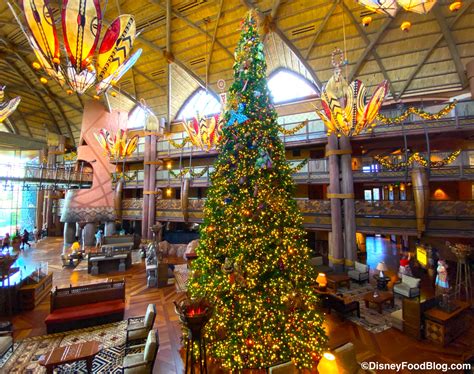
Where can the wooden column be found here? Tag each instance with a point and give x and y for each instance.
(421, 195)
(152, 184)
(336, 250)
(146, 187)
(347, 187)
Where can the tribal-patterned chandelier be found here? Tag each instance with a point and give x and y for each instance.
(83, 64)
(7, 107)
(390, 7)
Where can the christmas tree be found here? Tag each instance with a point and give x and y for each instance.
(252, 258)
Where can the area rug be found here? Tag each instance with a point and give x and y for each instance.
(109, 360)
(370, 319)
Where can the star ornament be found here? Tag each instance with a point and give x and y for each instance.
(237, 116)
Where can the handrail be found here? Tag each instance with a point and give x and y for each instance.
(43, 173)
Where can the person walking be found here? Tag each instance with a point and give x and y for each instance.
(6, 241)
(36, 234)
(24, 239)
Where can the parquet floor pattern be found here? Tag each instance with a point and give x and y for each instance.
(390, 346)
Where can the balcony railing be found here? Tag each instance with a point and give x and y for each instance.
(459, 118)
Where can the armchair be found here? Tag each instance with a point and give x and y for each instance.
(408, 287)
(69, 261)
(138, 363)
(318, 265)
(360, 273)
(338, 303)
(346, 360)
(6, 342)
(138, 328)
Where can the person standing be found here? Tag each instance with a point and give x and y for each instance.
(24, 239)
(98, 238)
(6, 241)
(36, 234)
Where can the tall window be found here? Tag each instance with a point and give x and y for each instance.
(286, 86)
(201, 102)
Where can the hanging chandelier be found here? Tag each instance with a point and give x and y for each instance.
(83, 64)
(390, 7)
(204, 133)
(118, 146)
(7, 107)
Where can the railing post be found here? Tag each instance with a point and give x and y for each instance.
(456, 117)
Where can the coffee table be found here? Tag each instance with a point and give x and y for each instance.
(382, 299)
(337, 280)
(70, 353)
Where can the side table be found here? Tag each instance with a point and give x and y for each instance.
(382, 282)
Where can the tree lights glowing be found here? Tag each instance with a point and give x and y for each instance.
(252, 259)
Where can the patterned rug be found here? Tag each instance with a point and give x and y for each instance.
(109, 360)
(370, 319)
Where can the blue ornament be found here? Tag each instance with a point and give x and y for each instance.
(227, 200)
(238, 116)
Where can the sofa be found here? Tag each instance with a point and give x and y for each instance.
(133, 240)
(408, 287)
(177, 250)
(87, 305)
(319, 267)
(360, 273)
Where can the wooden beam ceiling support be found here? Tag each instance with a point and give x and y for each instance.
(321, 28)
(275, 7)
(214, 34)
(428, 53)
(16, 141)
(370, 47)
(142, 74)
(367, 42)
(192, 24)
(448, 36)
(289, 44)
(10, 126)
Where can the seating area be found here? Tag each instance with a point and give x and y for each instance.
(86, 305)
(408, 286)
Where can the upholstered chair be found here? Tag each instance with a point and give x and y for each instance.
(409, 286)
(6, 342)
(346, 360)
(141, 363)
(139, 327)
(360, 273)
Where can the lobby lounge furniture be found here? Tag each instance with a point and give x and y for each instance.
(396, 318)
(413, 315)
(443, 327)
(134, 240)
(6, 342)
(360, 273)
(99, 263)
(408, 287)
(319, 267)
(380, 300)
(86, 305)
(116, 247)
(69, 262)
(138, 363)
(139, 327)
(338, 280)
(346, 360)
(70, 353)
(382, 282)
(336, 302)
(33, 292)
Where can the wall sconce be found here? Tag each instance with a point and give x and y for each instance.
(168, 192)
(169, 165)
(402, 186)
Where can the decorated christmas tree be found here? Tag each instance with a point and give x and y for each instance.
(252, 261)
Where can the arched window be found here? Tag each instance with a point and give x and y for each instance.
(136, 118)
(201, 102)
(285, 86)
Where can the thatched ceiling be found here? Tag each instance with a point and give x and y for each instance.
(203, 34)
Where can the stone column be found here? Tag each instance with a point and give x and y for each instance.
(350, 246)
(421, 194)
(88, 234)
(109, 228)
(336, 250)
(146, 189)
(39, 209)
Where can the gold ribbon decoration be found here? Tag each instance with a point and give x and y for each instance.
(417, 111)
(293, 130)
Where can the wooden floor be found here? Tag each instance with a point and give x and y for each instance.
(390, 346)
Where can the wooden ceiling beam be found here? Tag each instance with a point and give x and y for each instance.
(10, 126)
(367, 42)
(321, 28)
(148, 79)
(22, 118)
(428, 53)
(214, 34)
(448, 36)
(192, 24)
(289, 44)
(275, 8)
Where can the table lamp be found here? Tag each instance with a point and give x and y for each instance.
(322, 281)
(381, 267)
(327, 364)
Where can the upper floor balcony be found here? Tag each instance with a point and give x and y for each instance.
(365, 169)
(314, 133)
(445, 218)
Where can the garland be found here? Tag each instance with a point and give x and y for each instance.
(71, 156)
(127, 178)
(299, 166)
(190, 171)
(419, 112)
(294, 130)
(177, 145)
(386, 164)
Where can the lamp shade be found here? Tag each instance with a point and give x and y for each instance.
(381, 266)
(417, 6)
(327, 364)
(321, 279)
(386, 7)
